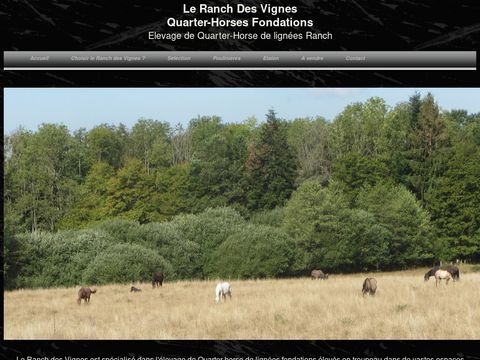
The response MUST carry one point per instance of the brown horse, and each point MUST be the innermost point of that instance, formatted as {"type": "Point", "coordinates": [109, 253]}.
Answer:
{"type": "Point", "coordinates": [84, 294]}
{"type": "Point", "coordinates": [134, 289]}
{"type": "Point", "coordinates": [369, 286]}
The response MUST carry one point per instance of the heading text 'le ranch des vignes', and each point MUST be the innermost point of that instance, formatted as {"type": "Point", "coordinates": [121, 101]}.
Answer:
{"type": "Point", "coordinates": [239, 9]}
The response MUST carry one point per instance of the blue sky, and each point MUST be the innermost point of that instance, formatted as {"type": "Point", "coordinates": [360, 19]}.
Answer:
{"type": "Point", "coordinates": [88, 107]}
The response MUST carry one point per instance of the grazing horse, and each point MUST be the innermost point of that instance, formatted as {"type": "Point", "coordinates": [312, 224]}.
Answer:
{"type": "Point", "coordinates": [453, 270]}
{"type": "Point", "coordinates": [369, 286]}
{"type": "Point", "coordinates": [318, 274]}
{"type": "Point", "coordinates": [157, 279]}
{"type": "Point", "coordinates": [442, 275]}
{"type": "Point", "coordinates": [134, 289]}
{"type": "Point", "coordinates": [431, 272]}
{"type": "Point", "coordinates": [223, 289]}
{"type": "Point", "coordinates": [84, 294]}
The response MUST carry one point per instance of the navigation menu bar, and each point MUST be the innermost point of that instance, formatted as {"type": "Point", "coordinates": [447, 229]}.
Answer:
{"type": "Point", "coordinates": [343, 60]}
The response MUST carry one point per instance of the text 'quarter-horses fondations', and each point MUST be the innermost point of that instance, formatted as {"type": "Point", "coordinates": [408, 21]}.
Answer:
{"type": "Point", "coordinates": [222, 290]}
{"type": "Point", "coordinates": [84, 294]}
{"type": "Point", "coordinates": [452, 269]}
{"type": "Point", "coordinates": [369, 286]}
{"type": "Point", "coordinates": [157, 279]}
{"type": "Point", "coordinates": [442, 275]}
{"type": "Point", "coordinates": [318, 274]}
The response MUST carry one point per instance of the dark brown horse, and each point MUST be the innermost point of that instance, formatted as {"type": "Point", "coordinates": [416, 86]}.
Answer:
{"type": "Point", "coordinates": [369, 286]}
{"type": "Point", "coordinates": [84, 294]}
{"type": "Point", "coordinates": [134, 289]}
{"type": "Point", "coordinates": [157, 279]}
{"type": "Point", "coordinates": [318, 274]}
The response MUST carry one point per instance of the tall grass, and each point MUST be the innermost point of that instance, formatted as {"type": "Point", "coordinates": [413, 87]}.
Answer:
{"type": "Point", "coordinates": [404, 308]}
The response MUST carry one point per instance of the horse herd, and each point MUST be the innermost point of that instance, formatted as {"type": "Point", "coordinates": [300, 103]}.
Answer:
{"type": "Point", "coordinates": [224, 289]}
{"type": "Point", "coordinates": [85, 292]}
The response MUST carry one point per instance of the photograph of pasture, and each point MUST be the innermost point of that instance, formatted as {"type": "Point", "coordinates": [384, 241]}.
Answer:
{"type": "Point", "coordinates": [230, 213]}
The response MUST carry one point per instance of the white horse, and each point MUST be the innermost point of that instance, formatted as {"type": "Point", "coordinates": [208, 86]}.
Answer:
{"type": "Point", "coordinates": [223, 289]}
{"type": "Point", "coordinates": [442, 275]}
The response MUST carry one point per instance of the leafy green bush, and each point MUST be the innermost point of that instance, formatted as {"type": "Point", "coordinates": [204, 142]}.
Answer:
{"type": "Point", "coordinates": [184, 255]}
{"type": "Point", "coordinates": [209, 229]}
{"type": "Point", "coordinates": [164, 238]}
{"type": "Point", "coordinates": [123, 263]}
{"type": "Point", "coordinates": [121, 231]}
{"type": "Point", "coordinates": [58, 259]}
{"type": "Point", "coordinates": [252, 252]}
{"type": "Point", "coordinates": [272, 217]}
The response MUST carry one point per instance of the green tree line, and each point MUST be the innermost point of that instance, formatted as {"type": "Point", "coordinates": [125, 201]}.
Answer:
{"type": "Point", "coordinates": [376, 188]}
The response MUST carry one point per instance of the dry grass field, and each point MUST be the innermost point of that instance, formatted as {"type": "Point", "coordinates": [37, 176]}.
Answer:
{"type": "Point", "coordinates": [404, 308]}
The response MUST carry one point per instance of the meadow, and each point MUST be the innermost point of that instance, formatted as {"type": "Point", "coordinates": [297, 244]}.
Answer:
{"type": "Point", "coordinates": [405, 307]}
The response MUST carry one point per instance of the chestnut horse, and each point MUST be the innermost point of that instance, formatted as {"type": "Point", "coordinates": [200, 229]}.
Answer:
{"type": "Point", "coordinates": [84, 294]}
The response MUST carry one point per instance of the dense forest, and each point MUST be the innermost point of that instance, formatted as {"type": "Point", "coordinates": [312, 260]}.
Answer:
{"type": "Point", "coordinates": [376, 188]}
